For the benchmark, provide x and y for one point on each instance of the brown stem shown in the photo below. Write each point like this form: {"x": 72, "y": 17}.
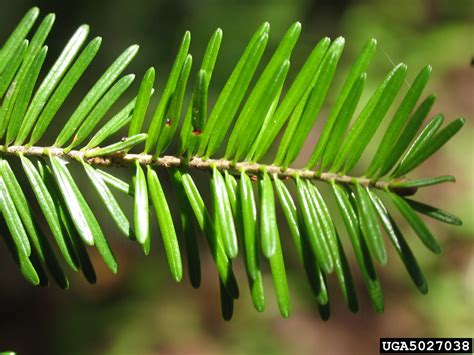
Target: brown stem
{"x": 118, "y": 159}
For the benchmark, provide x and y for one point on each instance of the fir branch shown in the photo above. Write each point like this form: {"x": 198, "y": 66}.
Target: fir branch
{"x": 252, "y": 121}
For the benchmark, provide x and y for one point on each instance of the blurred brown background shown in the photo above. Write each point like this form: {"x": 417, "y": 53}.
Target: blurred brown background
{"x": 141, "y": 310}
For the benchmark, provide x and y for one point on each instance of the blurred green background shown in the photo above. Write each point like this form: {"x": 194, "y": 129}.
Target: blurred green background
{"x": 141, "y": 310}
